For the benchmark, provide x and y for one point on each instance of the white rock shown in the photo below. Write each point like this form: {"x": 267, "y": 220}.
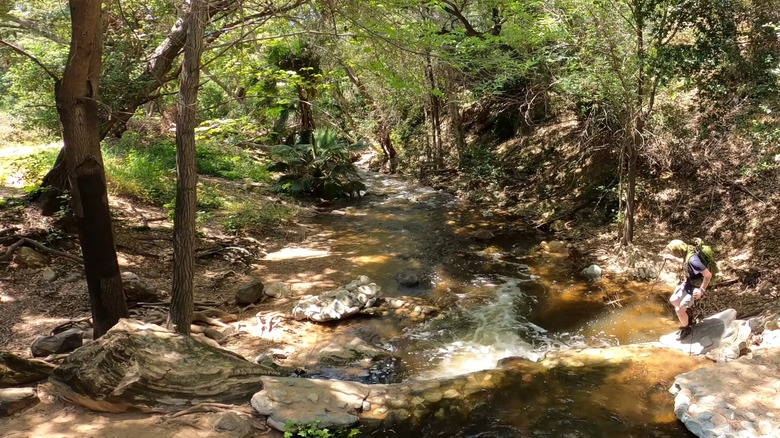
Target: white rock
{"x": 593, "y": 272}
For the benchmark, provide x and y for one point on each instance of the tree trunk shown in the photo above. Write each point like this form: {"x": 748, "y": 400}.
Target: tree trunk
{"x": 636, "y": 126}
{"x": 383, "y": 129}
{"x": 187, "y": 172}
{"x": 435, "y": 116}
{"x": 453, "y": 109}
{"x": 307, "y": 116}
{"x": 77, "y": 105}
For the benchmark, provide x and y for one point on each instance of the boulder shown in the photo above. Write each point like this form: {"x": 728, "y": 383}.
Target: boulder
{"x": 137, "y": 366}
{"x": 339, "y": 303}
{"x": 31, "y": 258}
{"x": 278, "y": 290}
{"x": 593, "y": 272}
{"x": 136, "y": 289}
{"x": 15, "y": 370}
{"x": 721, "y": 337}
{"x": 60, "y": 343}
{"x": 249, "y": 293}
{"x": 408, "y": 277}
{"x": 13, "y": 400}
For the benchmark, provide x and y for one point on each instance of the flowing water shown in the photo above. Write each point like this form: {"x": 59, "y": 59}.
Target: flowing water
{"x": 500, "y": 297}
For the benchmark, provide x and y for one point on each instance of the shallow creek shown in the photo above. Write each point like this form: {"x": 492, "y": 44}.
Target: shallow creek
{"x": 500, "y": 296}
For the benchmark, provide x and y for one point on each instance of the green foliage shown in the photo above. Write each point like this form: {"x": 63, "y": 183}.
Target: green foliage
{"x": 322, "y": 168}
{"x": 29, "y": 169}
{"x": 246, "y": 217}
{"x": 311, "y": 430}
{"x": 144, "y": 166}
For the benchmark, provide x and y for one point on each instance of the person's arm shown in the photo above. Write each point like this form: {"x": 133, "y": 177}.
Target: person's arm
{"x": 704, "y": 283}
{"x": 672, "y": 258}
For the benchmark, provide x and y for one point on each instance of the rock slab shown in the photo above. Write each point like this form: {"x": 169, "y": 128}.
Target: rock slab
{"x": 737, "y": 398}
{"x": 13, "y": 400}
{"x": 138, "y": 366}
{"x": 721, "y": 337}
{"x": 60, "y": 343}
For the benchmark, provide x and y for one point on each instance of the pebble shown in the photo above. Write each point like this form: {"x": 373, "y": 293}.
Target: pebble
{"x": 765, "y": 427}
{"x": 49, "y": 274}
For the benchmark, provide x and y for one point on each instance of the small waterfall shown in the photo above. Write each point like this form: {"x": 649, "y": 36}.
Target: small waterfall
{"x": 476, "y": 338}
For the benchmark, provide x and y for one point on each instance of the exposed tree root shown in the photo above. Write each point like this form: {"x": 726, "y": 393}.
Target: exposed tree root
{"x": 39, "y": 246}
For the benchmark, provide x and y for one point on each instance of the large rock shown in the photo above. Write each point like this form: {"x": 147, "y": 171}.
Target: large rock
{"x": 15, "y": 370}
{"x": 136, "y": 289}
{"x": 137, "y": 366}
{"x": 60, "y": 343}
{"x": 721, "y": 337}
{"x": 249, "y": 293}
{"x": 13, "y": 400}
{"x": 31, "y": 258}
{"x": 738, "y": 398}
{"x": 338, "y": 304}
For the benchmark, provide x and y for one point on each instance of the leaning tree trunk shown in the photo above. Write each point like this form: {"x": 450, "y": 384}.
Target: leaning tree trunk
{"x": 77, "y": 105}
{"x": 186, "y": 166}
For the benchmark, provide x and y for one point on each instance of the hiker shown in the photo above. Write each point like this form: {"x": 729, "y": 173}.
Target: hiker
{"x": 696, "y": 262}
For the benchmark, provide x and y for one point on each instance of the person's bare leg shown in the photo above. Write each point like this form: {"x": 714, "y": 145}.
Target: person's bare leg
{"x": 682, "y": 315}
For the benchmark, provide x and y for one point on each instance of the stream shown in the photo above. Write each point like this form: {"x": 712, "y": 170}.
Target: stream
{"x": 500, "y": 296}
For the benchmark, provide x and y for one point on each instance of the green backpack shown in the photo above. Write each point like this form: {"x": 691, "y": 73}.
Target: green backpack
{"x": 706, "y": 254}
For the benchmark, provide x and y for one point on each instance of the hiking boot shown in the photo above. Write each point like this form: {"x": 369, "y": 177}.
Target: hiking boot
{"x": 684, "y": 332}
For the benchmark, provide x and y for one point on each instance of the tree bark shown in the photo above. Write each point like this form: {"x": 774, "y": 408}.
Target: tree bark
{"x": 77, "y": 104}
{"x": 453, "y": 109}
{"x": 435, "y": 116}
{"x": 187, "y": 170}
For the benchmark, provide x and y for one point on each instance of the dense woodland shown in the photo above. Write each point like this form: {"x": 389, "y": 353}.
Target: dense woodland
{"x": 617, "y": 123}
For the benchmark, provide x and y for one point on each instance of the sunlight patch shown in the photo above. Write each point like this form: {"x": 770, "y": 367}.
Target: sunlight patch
{"x": 367, "y": 260}
{"x": 296, "y": 253}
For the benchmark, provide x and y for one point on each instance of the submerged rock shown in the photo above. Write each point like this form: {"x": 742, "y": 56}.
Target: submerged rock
{"x": 340, "y": 303}
{"x": 408, "y": 277}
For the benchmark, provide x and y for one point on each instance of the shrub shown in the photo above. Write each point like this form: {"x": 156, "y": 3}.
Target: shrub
{"x": 322, "y": 168}
{"x": 246, "y": 216}
{"x": 307, "y": 430}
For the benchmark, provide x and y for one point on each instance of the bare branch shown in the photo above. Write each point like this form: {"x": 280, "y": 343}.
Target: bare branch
{"x": 33, "y": 58}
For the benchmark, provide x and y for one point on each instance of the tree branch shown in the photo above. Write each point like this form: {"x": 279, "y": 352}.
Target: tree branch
{"x": 33, "y": 58}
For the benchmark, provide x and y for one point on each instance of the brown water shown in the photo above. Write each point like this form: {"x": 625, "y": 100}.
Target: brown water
{"x": 501, "y": 297}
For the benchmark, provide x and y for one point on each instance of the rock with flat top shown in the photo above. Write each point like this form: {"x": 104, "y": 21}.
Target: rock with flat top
{"x": 138, "y": 366}
{"x": 721, "y": 337}
{"x": 136, "y": 289}
{"x": 13, "y": 400}
{"x": 278, "y": 290}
